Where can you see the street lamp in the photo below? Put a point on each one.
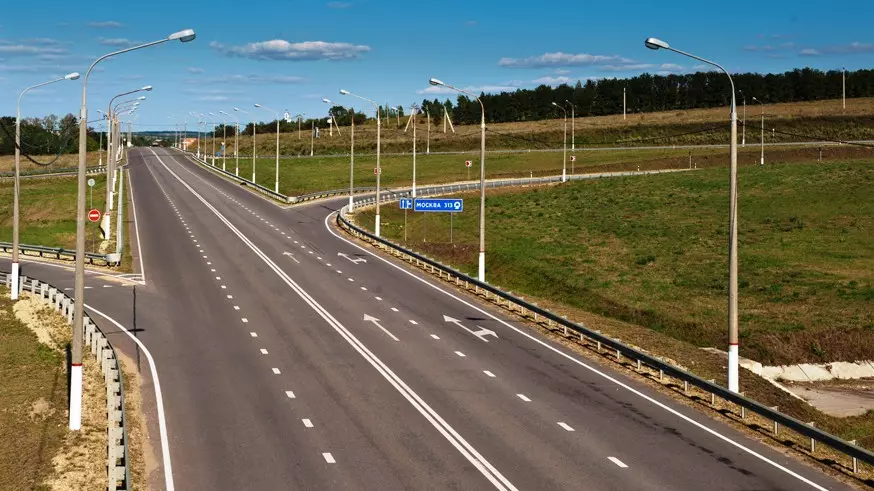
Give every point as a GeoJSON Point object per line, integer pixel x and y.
{"type": "Point", "coordinates": [743, 129]}
{"type": "Point", "coordinates": [17, 184]}
{"type": "Point", "coordinates": [112, 152]}
{"type": "Point", "coordinates": [482, 179]}
{"type": "Point", "coordinates": [573, 125]}
{"type": "Point", "coordinates": [564, 155]}
{"type": "Point", "coordinates": [237, 145]}
{"type": "Point", "coordinates": [351, 153]}
{"type": "Point", "coordinates": [224, 139]}
{"type": "Point", "coordinates": [378, 141]}
{"type": "Point", "coordinates": [276, 187]}
{"type": "Point", "coordinates": [762, 161]}
{"type": "Point", "coordinates": [213, 136]}
{"type": "Point", "coordinates": [79, 288]}
{"type": "Point", "coordinates": [733, 354]}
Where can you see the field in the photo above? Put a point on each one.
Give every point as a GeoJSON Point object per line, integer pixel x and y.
{"type": "Point", "coordinates": [651, 251]}
{"type": "Point", "coordinates": [310, 174]}
{"type": "Point", "coordinates": [822, 118]}
{"type": "Point", "coordinates": [65, 161]}
{"type": "Point", "coordinates": [48, 211]}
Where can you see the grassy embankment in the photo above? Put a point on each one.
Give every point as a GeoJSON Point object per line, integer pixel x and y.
{"type": "Point", "coordinates": [644, 259]}
{"type": "Point", "coordinates": [65, 161]}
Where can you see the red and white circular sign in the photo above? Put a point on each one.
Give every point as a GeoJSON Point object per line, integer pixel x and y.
{"type": "Point", "coordinates": [468, 163]}
{"type": "Point", "coordinates": [94, 215]}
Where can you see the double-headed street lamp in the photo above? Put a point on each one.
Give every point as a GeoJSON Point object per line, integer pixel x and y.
{"type": "Point", "coordinates": [762, 161]}
{"type": "Point", "coordinates": [276, 113]}
{"type": "Point", "coordinates": [733, 353]}
{"type": "Point", "coordinates": [112, 151]}
{"type": "Point", "coordinates": [214, 129]}
{"type": "Point", "coordinates": [17, 184]}
{"type": "Point", "coordinates": [237, 145]}
{"type": "Point", "coordinates": [378, 141]}
{"type": "Point", "coordinates": [564, 155]}
{"type": "Point", "coordinates": [482, 179]}
{"type": "Point", "coordinates": [79, 288]}
{"type": "Point", "coordinates": [224, 139]}
{"type": "Point", "coordinates": [351, 153]}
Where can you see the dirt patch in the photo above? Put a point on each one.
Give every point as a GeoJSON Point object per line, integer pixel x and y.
{"type": "Point", "coordinates": [40, 410]}
{"type": "Point", "coordinates": [143, 457]}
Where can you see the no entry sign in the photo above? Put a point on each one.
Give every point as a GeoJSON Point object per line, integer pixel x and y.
{"type": "Point", "coordinates": [94, 215]}
{"type": "Point", "coordinates": [468, 163]}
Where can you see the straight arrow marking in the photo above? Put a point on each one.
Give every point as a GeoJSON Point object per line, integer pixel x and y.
{"type": "Point", "coordinates": [286, 253]}
{"type": "Point", "coordinates": [368, 318]}
{"type": "Point", "coordinates": [356, 260]}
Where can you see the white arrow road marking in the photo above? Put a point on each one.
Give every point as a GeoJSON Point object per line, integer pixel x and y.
{"type": "Point", "coordinates": [481, 334]}
{"type": "Point", "coordinates": [286, 253]}
{"type": "Point", "coordinates": [368, 318]}
{"type": "Point", "coordinates": [356, 260]}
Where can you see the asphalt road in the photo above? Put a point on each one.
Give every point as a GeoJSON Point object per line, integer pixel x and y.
{"type": "Point", "coordinates": [290, 358]}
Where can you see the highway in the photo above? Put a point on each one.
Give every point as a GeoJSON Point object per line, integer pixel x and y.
{"type": "Point", "coordinates": [291, 358]}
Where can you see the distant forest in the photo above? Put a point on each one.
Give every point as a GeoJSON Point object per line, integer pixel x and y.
{"type": "Point", "coordinates": [650, 93]}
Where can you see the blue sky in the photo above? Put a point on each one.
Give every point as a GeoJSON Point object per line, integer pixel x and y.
{"type": "Point", "coordinates": [289, 54]}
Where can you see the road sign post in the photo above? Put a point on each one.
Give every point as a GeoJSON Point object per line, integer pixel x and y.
{"type": "Point", "coordinates": [468, 163]}
{"type": "Point", "coordinates": [448, 205]}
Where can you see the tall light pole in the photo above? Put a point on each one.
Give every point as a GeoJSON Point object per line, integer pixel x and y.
{"type": "Point", "coordinates": [276, 113]}
{"type": "Point", "coordinates": [299, 119]}
{"type": "Point", "coordinates": [844, 86]}
{"type": "Point", "coordinates": [214, 129]}
{"type": "Point", "coordinates": [482, 179]}
{"type": "Point", "coordinates": [414, 110]}
{"type": "Point", "coordinates": [762, 161]}
{"type": "Point", "coordinates": [312, 135]}
{"type": "Point", "coordinates": [428, 145]}
{"type": "Point", "coordinates": [564, 158]}
{"type": "Point", "coordinates": [623, 104]}
{"type": "Point", "coordinates": [79, 288]}
{"type": "Point", "coordinates": [194, 115]}
{"type": "Point", "coordinates": [112, 152]}
{"type": "Point", "coordinates": [225, 139]}
{"type": "Point", "coordinates": [743, 131]}
{"type": "Point", "coordinates": [17, 184]}
{"type": "Point", "coordinates": [733, 354]}
{"type": "Point", "coordinates": [573, 125]}
{"type": "Point", "coordinates": [351, 154]}
{"type": "Point", "coordinates": [237, 142]}
{"type": "Point", "coordinates": [378, 141]}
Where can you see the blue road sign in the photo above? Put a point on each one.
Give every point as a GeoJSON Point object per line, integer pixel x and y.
{"type": "Point", "coordinates": [444, 205]}
{"type": "Point", "coordinates": [406, 203]}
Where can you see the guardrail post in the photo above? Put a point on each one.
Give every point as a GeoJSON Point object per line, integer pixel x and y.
{"type": "Point", "coordinates": [855, 460]}
{"type": "Point", "coordinates": [776, 425]}
{"type": "Point", "coordinates": [33, 285]}
{"type": "Point", "coordinates": [638, 365]}
{"type": "Point", "coordinates": [812, 441]}
{"type": "Point", "coordinates": [712, 394]}
{"type": "Point", "coordinates": [743, 410]}
{"type": "Point", "coordinates": [685, 387]}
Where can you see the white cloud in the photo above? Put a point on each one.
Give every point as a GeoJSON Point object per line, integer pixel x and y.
{"type": "Point", "coordinates": [194, 69]}
{"type": "Point", "coordinates": [561, 71]}
{"type": "Point", "coordinates": [854, 48]}
{"type": "Point", "coordinates": [212, 98]}
{"type": "Point", "coordinates": [19, 49]}
{"type": "Point", "coordinates": [627, 67]}
{"type": "Point", "coordinates": [21, 68]}
{"type": "Point", "coordinates": [549, 80]}
{"type": "Point", "coordinates": [109, 24]}
{"type": "Point", "coordinates": [560, 59]}
{"type": "Point", "coordinates": [116, 42]}
{"type": "Point", "coordinates": [279, 49]}
{"type": "Point", "coordinates": [339, 5]}
{"type": "Point", "coordinates": [671, 68]}
{"type": "Point", "coordinates": [246, 79]}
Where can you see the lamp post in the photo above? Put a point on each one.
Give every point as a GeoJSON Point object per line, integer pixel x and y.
{"type": "Point", "coordinates": [112, 152]}
{"type": "Point", "coordinates": [312, 135]}
{"type": "Point", "coordinates": [276, 187]}
{"type": "Point", "coordinates": [564, 154]}
{"type": "Point", "coordinates": [213, 136]}
{"type": "Point", "coordinates": [573, 126]}
{"type": "Point", "coordinates": [733, 376]}
{"type": "Point", "coordinates": [237, 144]}
{"type": "Point", "coordinates": [378, 141]}
{"type": "Point", "coordinates": [762, 161]}
{"type": "Point", "coordinates": [79, 288]}
{"type": "Point", "coordinates": [299, 120]}
{"type": "Point", "coordinates": [844, 87]}
{"type": "Point", "coordinates": [414, 110]}
{"type": "Point", "coordinates": [225, 139]}
{"type": "Point", "coordinates": [482, 179]}
{"type": "Point", "coordinates": [743, 130]}
{"type": "Point", "coordinates": [17, 183]}
{"type": "Point", "coordinates": [351, 154]}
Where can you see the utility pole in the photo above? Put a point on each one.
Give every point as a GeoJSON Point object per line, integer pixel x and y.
{"type": "Point", "coordinates": [623, 103]}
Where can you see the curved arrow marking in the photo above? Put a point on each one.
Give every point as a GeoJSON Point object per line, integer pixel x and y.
{"type": "Point", "coordinates": [481, 334]}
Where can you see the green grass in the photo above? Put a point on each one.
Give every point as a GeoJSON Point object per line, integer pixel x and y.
{"type": "Point", "coordinates": [48, 211]}
{"type": "Point", "coordinates": [310, 174]}
{"type": "Point", "coordinates": [652, 251]}
{"type": "Point", "coordinates": [30, 371]}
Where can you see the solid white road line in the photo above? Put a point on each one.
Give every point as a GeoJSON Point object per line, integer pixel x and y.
{"type": "Point", "coordinates": [307, 423]}
{"type": "Point", "coordinates": [523, 397]}
{"type": "Point", "coordinates": [617, 462]}
{"type": "Point", "coordinates": [490, 374]}
{"type": "Point", "coordinates": [449, 433]}
{"type": "Point", "coordinates": [565, 426]}
{"type": "Point", "coordinates": [329, 458]}
{"type": "Point", "coordinates": [162, 422]}
{"type": "Point", "coordinates": [592, 369]}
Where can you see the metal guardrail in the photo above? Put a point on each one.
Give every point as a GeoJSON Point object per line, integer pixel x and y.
{"type": "Point", "coordinates": [118, 462]}
{"type": "Point", "coordinates": [540, 315]}
{"type": "Point", "coordinates": [61, 254]}
{"type": "Point", "coordinates": [261, 189]}
{"type": "Point", "coordinates": [70, 171]}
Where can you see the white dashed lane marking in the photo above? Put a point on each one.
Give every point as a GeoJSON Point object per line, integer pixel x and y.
{"type": "Point", "coordinates": [413, 322]}
{"type": "Point", "coordinates": [459, 353]}
{"type": "Point", "coordinates": [490, 374]}
{"type": "Point", "coordinates": [617, 462]}
{"type": "Point", "coordinates": [329, 458]}
{"type": "Point", "coordinates": [289, 394]}
{"type": "Point", "coordinates": [307, 423]}
{"type": "Point", "coordinates": [565, 426]}
{"type": "Point", "coordinates": [253, 334]}
{"type": "Point", "coordinates": [523, 397]}
{"type": "Point", "coordinates": [276, 371]}
{"type": "Point", "coordinates": [435, 336]}
{"type": "Point", "coordinates": [263, 351]}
